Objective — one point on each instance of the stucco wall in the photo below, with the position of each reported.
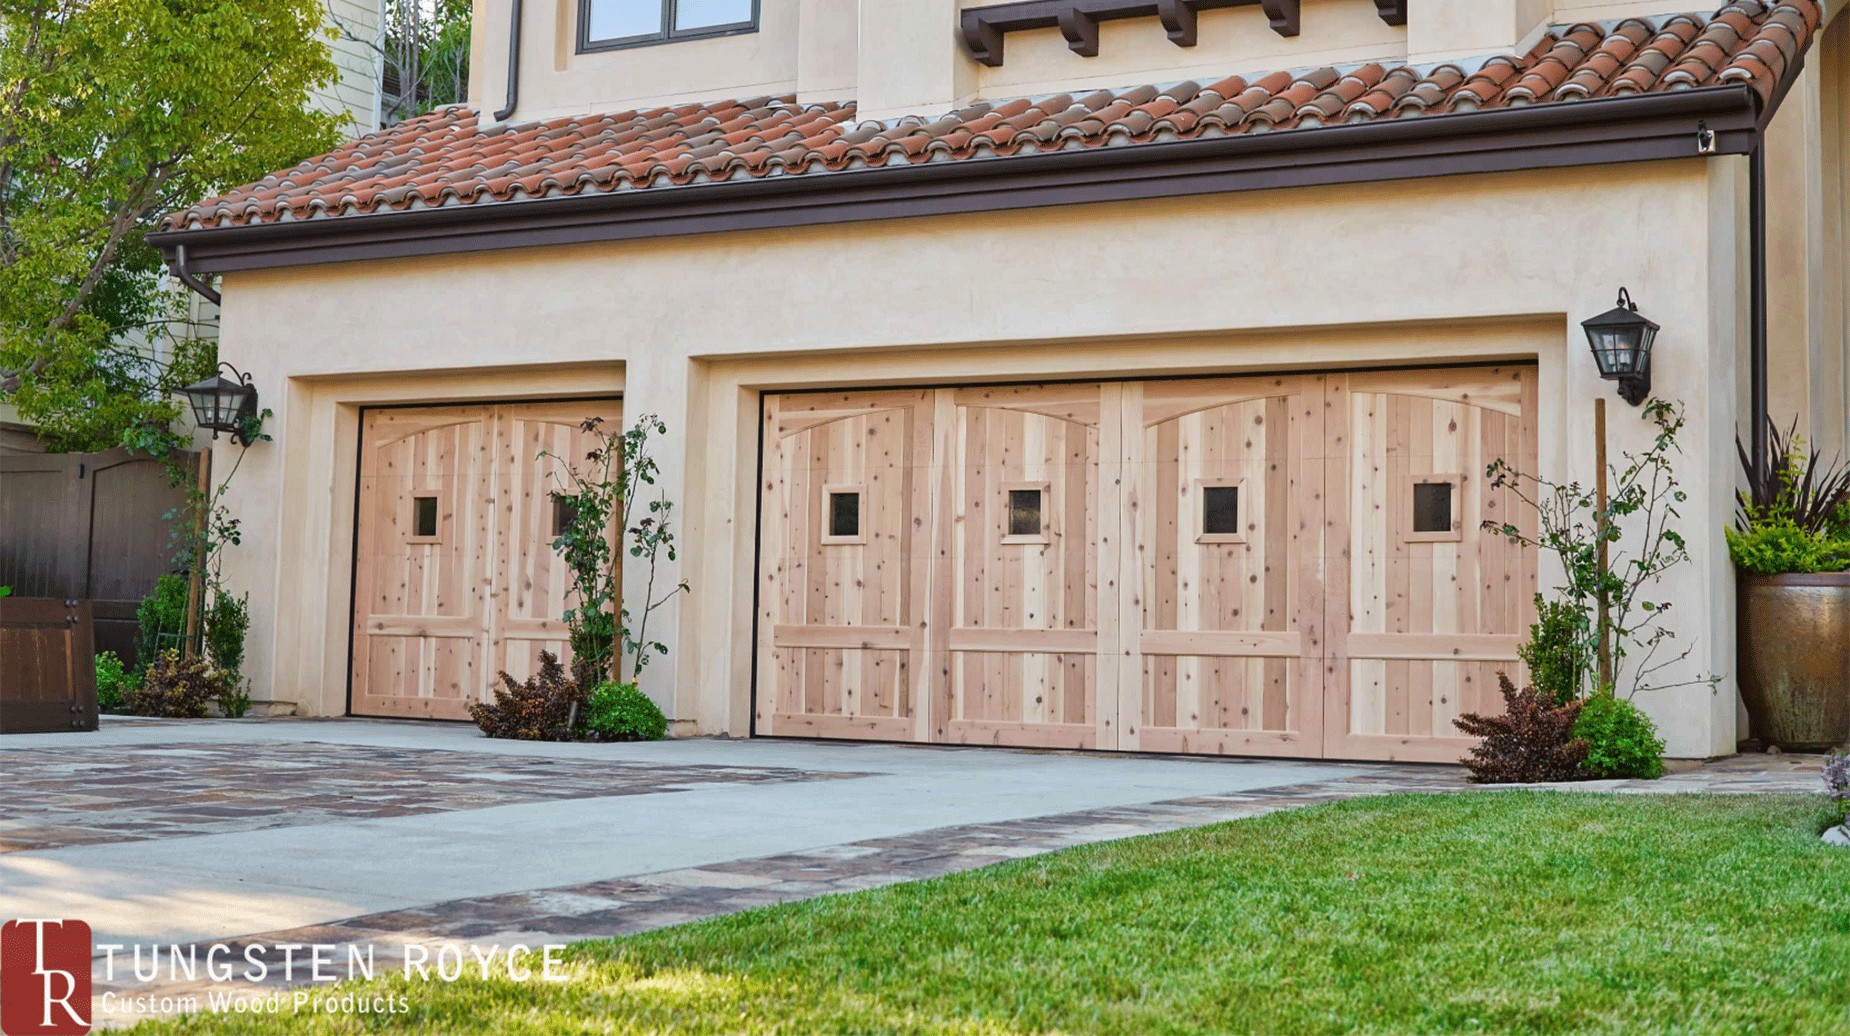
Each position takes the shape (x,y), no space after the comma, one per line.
(1485,267)
(902,57)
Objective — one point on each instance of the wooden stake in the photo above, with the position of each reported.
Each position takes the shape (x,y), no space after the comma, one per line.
(1599,496)
(195,591)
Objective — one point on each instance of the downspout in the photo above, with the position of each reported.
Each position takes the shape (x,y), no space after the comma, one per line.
(190,279)
(513,66)
(1757,303)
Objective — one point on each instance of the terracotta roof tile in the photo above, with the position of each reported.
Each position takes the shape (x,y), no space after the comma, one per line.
(447,158)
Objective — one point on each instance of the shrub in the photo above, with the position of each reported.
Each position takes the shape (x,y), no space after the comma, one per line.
(545,708)
(1557,651)
(236,701)
(227,620)
(1772,546)
(162,617)
(1532,741)
(178,687)
(621,712)
(1621,740)
(113,682)
(1837,784)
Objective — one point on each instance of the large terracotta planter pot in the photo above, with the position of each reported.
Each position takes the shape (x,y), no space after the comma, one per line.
(1795,658)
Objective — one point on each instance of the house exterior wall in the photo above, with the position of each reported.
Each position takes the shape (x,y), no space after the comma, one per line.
(355,28)
(695,328)
(902,57)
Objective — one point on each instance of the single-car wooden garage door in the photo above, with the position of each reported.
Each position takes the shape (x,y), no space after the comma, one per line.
(455,578)
(1282,565)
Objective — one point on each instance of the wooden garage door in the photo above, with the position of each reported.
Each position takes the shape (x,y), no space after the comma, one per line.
(454,575)
(1229,565)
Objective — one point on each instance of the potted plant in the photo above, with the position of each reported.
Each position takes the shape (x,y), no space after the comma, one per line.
(1791,551)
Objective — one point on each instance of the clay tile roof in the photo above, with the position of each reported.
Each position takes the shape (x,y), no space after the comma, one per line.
(447,158)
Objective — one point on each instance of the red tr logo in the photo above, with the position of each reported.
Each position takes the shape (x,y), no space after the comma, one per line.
(44,978)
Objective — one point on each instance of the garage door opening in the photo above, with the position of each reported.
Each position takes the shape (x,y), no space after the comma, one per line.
(1276,565)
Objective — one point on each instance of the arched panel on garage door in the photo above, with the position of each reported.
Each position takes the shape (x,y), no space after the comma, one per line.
(846,531)
(1433,607)
(1021,652)
(1228,517)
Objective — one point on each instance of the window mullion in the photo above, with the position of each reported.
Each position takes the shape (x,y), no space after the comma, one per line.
(668,12)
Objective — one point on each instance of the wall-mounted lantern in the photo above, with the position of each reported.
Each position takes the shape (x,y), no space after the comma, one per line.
(1621,341)
(222,404)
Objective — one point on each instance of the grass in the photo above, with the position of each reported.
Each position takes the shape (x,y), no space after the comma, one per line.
(1498,912)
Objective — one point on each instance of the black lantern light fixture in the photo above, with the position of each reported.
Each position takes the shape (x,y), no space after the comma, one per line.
(224,404)
(1621,341)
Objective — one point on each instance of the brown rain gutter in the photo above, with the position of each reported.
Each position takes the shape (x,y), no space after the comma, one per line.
(513,66)
(176,262)
(1603,130)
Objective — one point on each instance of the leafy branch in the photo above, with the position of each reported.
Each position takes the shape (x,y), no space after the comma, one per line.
(1637,525)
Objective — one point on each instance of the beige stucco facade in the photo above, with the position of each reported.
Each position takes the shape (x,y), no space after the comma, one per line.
(1422,272)
(696,328)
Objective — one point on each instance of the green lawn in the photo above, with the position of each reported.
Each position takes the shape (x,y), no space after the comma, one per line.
(1501,912)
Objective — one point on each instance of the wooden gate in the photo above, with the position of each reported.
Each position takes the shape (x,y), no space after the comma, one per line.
(454,575)
(1279,565)
(90,527)
(47,666)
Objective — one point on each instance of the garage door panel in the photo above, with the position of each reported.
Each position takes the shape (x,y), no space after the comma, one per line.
(1020,653)
(845,682)
(1437,606)
(1228,535)
(1028,687)
(845,529)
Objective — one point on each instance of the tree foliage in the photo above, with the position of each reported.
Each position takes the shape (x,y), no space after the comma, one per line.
(423,56)
(113,112)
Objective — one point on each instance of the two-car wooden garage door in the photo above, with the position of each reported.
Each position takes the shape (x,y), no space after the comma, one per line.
(1264,565)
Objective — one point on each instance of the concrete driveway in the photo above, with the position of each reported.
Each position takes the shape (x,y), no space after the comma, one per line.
(183,831)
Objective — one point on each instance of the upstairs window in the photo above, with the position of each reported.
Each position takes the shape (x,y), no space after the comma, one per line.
(606,24)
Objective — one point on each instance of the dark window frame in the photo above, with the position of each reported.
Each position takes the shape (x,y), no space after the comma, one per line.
(667,33)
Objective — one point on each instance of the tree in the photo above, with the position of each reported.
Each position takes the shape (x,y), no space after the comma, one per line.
(424,56)
(113,112)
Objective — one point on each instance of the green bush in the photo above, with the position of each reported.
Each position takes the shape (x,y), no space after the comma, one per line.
(113,682)
(1557,650)
(162,618)
(1621,740)
(178,687)
(621,712)
(227,620)
(1773,546)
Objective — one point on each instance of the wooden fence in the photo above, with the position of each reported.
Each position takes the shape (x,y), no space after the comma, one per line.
(47,666)
(88,527)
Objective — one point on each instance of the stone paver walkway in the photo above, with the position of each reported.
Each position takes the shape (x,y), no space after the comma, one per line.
(57,798)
